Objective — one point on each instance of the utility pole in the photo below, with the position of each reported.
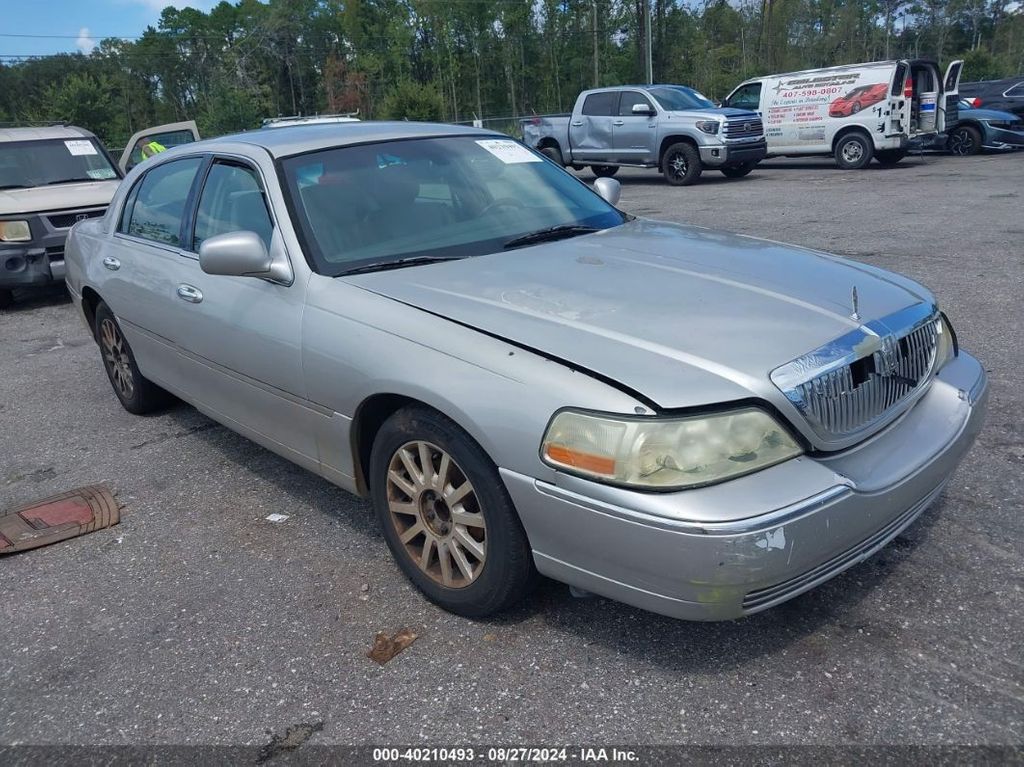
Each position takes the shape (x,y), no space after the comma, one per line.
(596,74)
(647,42)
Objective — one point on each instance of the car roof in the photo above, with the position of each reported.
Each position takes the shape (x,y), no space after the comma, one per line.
(290,140)
(43,133)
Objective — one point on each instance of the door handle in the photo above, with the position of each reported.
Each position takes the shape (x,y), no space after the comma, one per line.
(111,263)
(618,122)
(190,294)
(578,123)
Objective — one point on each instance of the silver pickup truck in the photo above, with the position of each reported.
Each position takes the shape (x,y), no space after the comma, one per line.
(669,127)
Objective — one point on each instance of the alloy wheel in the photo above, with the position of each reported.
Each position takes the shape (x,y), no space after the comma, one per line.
(115,354)
(436,513)
(677,162)
(961,143)
(853,152)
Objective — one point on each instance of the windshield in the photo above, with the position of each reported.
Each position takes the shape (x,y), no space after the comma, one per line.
(53,161)
(449,197)
(677,97)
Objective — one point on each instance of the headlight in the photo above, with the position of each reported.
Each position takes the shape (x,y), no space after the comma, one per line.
(15,231)
(946,346)
(666,453)
(708,126)
(1000,123)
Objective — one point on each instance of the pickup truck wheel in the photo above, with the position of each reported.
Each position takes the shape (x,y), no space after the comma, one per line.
(446,515)
(604,171)
(964,141)
(6,298)
(738,171)
(553,154)
(890,157)
(681,164)
(136,393)
(854,151)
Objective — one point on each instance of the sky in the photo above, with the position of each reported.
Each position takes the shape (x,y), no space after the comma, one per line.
(76,25)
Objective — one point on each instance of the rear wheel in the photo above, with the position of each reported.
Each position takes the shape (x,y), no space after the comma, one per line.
(604,171)
(738,171)
(965,140)
(446,515)
(6,298)
(854,151)
(680,165)
(890,157)
(554,154)
(136,393)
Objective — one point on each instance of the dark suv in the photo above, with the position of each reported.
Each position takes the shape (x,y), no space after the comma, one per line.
(1005,95)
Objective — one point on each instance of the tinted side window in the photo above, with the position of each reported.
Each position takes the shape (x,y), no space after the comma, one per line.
(232,201)
(747,97)
(628,99)
(1016,92)
(159,201)
(601,103)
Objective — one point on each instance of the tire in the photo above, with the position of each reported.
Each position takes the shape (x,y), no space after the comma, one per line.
(6,298)
(890,157)
(680,165)
(505,574)
(604,171)
(964,141)
(854,151)
(554,154)
(136,393)
(738,171)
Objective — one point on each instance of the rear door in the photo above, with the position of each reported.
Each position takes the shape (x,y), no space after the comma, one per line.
(949,99)
(590,132)
(635,133)
(900,100)
(150,141)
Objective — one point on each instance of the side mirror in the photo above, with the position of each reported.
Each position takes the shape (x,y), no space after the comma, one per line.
(236,254)
(609,190)
(642,109)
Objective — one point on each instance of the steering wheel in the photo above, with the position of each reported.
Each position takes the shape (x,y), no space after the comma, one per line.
(500,202)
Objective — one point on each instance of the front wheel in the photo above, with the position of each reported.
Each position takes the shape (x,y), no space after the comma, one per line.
(681,164)
(965,141)
(738,171)
(136,393)
(446,515)
(604,171)
(890,157)
(854,151)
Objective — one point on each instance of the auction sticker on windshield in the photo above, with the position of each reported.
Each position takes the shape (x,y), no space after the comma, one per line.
(509,152)
(80,147)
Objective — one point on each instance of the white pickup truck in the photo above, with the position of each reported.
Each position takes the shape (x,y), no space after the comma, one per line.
(669,127)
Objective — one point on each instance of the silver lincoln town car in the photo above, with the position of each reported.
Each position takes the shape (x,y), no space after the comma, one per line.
(523,378)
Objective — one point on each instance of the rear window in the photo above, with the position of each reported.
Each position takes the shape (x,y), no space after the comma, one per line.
(27,164)
(601,103)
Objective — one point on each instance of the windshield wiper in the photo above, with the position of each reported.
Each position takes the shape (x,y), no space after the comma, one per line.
(72,180)
(550,234)
(382,266)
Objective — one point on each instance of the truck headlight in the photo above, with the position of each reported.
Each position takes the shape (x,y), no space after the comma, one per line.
(15,231)
(666,453)
(946,346)
(708,126)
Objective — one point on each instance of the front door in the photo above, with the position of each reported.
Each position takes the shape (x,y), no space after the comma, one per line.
(635,130)
(152,141)
(239,337)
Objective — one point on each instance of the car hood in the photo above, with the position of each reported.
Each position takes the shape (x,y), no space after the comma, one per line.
(981,113)
(726,111)
(87,194)
(681,315)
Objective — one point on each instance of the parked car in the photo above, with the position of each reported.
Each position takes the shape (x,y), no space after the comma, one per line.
(669,127)
(1005,95)
(520,376)
(51,177)
(855,112)
(981,129)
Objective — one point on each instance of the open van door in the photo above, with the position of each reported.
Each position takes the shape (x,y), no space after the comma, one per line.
(151,141)
(949,113)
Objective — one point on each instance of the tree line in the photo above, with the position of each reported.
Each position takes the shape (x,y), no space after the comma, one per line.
(456,60)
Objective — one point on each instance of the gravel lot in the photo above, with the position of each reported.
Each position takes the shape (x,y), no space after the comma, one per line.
(196,621)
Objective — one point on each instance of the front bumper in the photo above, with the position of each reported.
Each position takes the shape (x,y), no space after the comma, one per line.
(40,261)
(733,153)
(746,545)
(1001,138)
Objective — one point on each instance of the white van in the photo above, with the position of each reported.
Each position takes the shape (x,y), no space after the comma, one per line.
(853,112)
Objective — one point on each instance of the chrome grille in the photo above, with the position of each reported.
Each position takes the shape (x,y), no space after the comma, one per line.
(855,382)
(740,127)
(67,220)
